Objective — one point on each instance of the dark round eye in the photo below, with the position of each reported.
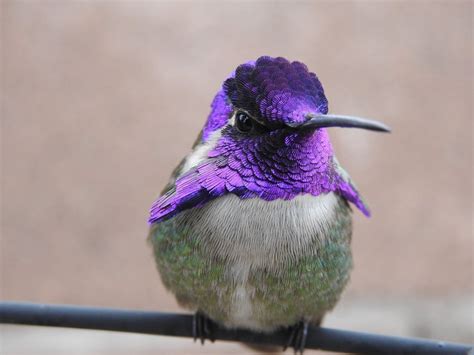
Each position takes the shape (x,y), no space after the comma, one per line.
(243,122)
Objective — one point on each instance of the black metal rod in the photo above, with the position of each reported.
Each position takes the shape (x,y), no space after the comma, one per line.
(181,325)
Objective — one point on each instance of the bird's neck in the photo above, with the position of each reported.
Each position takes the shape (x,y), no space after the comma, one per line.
(280,164)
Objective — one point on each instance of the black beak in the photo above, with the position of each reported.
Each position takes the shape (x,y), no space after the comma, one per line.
(319,121)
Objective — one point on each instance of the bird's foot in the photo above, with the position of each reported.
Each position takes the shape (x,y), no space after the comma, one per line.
(297,337)
(202,328)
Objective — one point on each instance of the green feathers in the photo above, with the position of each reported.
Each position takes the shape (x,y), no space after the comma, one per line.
(261,298)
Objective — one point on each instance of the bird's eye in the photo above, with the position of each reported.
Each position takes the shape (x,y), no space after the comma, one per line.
(243,122)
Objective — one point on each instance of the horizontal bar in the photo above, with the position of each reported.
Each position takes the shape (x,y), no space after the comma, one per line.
(181,325)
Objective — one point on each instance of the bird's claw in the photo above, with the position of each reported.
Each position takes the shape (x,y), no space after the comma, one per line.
(297,337)
(202,328)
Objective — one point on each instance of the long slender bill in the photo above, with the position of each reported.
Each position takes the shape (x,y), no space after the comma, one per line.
(319,121)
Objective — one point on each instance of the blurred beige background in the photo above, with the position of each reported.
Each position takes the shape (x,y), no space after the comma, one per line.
(100,100)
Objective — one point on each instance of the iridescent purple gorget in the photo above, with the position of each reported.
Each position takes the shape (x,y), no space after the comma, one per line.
(277,162)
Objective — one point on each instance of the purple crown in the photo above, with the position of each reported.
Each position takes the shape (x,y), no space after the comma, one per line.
(276,90)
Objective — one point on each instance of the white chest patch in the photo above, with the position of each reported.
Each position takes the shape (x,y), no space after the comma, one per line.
(254,233)
(259,232)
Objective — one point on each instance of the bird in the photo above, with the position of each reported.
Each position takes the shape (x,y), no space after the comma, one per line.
(253,230)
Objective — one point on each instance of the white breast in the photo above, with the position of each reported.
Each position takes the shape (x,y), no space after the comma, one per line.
(259,232)
(254,233)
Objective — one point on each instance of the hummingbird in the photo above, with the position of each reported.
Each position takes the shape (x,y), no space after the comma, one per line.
(253,229)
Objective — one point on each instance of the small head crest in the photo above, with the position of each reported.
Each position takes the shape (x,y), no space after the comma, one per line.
(276,90)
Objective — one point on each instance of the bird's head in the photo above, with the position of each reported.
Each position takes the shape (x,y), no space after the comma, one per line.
(266,137)
(268,125)
(268,122)
(274,94)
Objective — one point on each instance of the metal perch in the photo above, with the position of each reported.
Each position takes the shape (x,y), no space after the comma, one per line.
(171,324)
